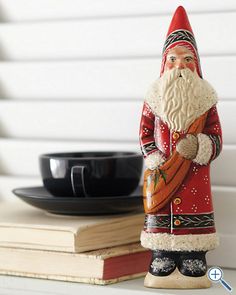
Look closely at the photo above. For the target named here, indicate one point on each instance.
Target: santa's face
(180, 58)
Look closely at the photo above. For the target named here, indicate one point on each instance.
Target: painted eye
(172, 58)
(188, 59)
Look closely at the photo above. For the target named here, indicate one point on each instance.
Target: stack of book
(89, 249)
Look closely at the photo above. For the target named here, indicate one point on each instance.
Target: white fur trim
(187, 147)
(171, 242)
(205, 149)
(153, 160)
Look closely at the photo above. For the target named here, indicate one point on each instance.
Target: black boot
(163, 262)
(193, 263)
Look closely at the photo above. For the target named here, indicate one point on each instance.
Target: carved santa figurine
(180, 135)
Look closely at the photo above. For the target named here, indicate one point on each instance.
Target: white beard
(180, 100)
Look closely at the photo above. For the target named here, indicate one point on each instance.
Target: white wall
(73, 75)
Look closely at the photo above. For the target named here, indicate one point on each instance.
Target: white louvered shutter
(73, 75)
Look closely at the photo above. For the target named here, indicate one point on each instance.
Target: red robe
(187, 222)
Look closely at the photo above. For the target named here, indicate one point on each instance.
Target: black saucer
(39, 197)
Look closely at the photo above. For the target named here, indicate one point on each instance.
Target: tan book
(102, 267)
(23, 226)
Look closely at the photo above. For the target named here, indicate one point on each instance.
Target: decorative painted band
(204, 220)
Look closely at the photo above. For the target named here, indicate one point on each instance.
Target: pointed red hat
(180, 33)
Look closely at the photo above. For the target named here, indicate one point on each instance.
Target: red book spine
(125, 265)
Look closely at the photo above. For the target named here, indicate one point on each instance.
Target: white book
(104, 266)
(22, 226)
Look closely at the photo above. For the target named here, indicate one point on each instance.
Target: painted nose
(180, 65)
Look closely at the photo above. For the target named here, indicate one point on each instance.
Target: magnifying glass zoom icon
(215, 274)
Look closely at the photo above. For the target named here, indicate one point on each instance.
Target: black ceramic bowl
(91, 174)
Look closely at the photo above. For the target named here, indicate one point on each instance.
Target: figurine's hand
(153, 160)
(187, 147)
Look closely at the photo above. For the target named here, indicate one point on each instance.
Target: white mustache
(185, 74)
